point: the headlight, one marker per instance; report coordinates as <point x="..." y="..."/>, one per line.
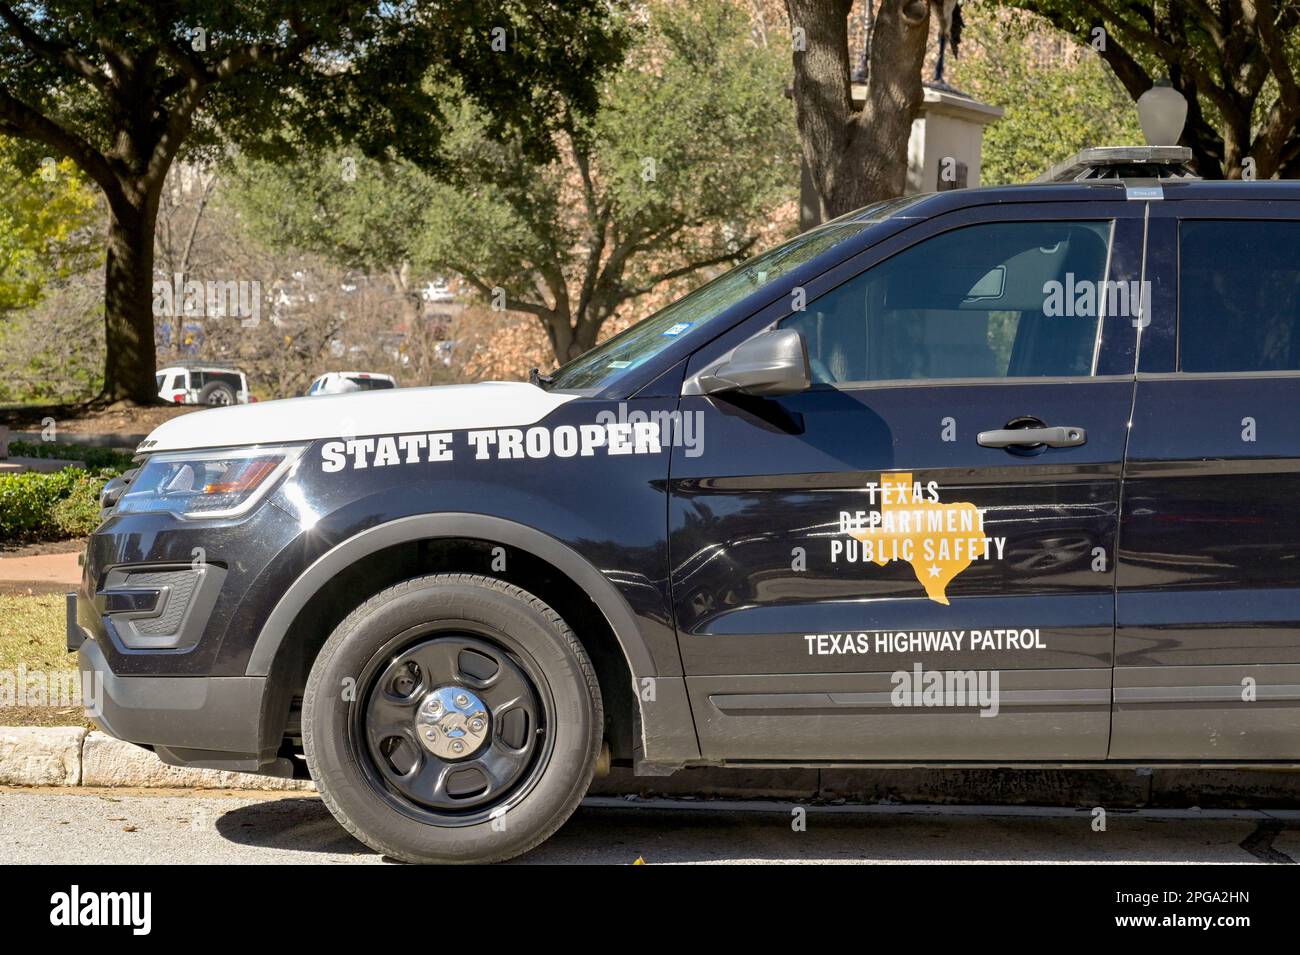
<point x="207" y="484"/>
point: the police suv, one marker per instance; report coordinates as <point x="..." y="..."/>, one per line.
<point x="996" y="477"/>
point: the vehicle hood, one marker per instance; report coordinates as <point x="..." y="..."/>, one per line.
<point x="489" y="404"/>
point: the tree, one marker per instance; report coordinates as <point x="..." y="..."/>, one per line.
<point x="677" y="172"/>
<point x="1235" y="61"/>
<point x="122" y="89"/>
<point x="46" y="230"/>
<point x="367" y="220"/>
<point x="856" y="151"/>
<point x="1057" y="101"/>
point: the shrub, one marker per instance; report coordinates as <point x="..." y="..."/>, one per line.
<point x="94" y="458"/>
<point x="36" y="507"/>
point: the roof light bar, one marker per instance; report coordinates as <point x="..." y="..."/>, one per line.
<point x="1123" y="162"/>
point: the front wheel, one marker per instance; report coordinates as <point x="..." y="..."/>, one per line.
<point x="452" y="718"/>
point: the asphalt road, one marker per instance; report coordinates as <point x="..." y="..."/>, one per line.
<point x="136" y="826"/>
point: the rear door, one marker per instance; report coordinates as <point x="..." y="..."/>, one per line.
<point x="1208" y="603"/>
<point x="857" y="573"/>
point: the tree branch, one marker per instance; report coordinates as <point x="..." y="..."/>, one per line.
<point x="49" y="49"/>
<point x="511" y="304"/>
<point x="670" y="274"/>
<point x="17" y="118"/>
<point x="1265" y="17"/>
<point x="598" y="216"/>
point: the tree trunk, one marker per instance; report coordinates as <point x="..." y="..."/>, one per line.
<point x="130" y="364"/>
<point x="857" y="156"/>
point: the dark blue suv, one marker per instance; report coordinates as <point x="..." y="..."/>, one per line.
<point x="997" y="477"/>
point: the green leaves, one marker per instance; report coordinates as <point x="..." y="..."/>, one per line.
<point x="50" y="506"/>
<point x="689" y="151"/>
<point x="46" y="227"/>
<point x="274" y="75"/>
<point x="1053" y="108"/>
<point x="124" y="89"/>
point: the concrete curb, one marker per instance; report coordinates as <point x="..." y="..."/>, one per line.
<point x="75" y="756"/>
<point x="41" y="755"/>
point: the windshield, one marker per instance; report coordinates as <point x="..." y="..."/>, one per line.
<point x="602" y="365"/>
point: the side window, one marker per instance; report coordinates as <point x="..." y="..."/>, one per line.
<point x="996" y="300"/>
<point x="1238" y="296"/>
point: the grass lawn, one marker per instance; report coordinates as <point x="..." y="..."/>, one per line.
<point x="32" y="636"/>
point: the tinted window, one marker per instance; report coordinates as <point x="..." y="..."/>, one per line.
<point x="371" y="384"/>
<point x="985" y="301"/>
<point x="1239" y="296"/>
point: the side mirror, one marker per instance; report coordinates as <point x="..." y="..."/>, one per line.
<point x="772" y="363"/>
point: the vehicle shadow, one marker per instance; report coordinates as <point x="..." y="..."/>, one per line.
<point x="299" y="824"/>
<point x="599" y="834"/>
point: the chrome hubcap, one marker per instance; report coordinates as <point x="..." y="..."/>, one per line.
<point x="451" y="722"/>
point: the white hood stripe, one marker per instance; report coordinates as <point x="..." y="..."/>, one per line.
<point x="491" y="404"/>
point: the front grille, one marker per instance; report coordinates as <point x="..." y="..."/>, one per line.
<point x="181" y="584"/>
<point x="185" y="595"/>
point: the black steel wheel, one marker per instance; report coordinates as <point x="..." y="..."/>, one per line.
<point x="453" y="726"/>
<point x="452" y="718"/>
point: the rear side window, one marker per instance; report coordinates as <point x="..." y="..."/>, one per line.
<point x="995" y="300"/>
<point x="1238" y="296"/>
<point x="371" y="384"/>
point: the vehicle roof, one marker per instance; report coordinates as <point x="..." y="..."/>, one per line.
<point x="931" y="204"/>
<point x="198" y="366"/>
<point x="371" y="374"/>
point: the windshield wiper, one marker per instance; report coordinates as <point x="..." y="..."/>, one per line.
<point x="537" y="378"/>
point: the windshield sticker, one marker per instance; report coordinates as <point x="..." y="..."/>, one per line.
<point x="908" y="522"/>
<point x="620" y="364"/>
<point x="676" y="329"/>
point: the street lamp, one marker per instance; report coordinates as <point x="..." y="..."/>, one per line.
<point x="1162" y="111"/>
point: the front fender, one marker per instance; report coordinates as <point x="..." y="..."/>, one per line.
<point x="666" y="733"/>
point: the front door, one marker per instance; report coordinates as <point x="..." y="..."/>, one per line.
<point x="874" y="569"/>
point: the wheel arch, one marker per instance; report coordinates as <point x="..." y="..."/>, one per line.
<point x="663" y="732"/>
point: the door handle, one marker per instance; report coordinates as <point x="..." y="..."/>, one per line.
<point x="1063" y="437"/>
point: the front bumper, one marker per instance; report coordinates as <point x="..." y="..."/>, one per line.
<point x="208" y="722"/>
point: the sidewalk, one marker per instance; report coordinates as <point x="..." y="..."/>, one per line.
<point x="40" y="573"/>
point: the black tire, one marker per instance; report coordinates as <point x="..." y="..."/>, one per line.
<point x="217" y="393"/>
<point x="426" y="619"/>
